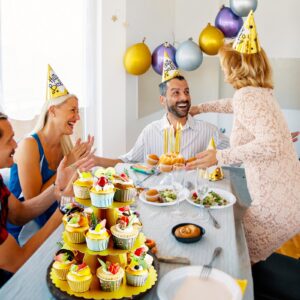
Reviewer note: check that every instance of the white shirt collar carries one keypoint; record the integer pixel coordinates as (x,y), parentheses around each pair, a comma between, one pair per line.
(164,123)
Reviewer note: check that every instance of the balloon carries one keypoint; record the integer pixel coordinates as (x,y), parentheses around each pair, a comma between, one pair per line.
(188,56)
(137,59)
(158,56)
(211,39)
(229,23)
(243,7)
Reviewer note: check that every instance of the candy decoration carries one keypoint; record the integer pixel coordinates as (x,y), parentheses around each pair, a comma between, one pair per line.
(188,56)
(243,7)
(211,39)
(229,23)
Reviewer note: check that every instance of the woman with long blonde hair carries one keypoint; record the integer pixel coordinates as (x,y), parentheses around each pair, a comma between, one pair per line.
(39,154)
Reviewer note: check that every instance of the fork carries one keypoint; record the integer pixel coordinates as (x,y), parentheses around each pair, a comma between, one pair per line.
(206,269)
(214,220)
(156,173)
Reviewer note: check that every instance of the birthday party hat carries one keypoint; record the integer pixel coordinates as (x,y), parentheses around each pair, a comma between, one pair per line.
(55,87)
(169,69)
(214,173)
(247,41)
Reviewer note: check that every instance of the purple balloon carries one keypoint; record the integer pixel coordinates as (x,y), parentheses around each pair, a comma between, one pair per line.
(158,56)
(228,22)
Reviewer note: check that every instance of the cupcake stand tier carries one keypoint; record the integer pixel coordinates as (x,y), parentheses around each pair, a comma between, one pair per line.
(60,289)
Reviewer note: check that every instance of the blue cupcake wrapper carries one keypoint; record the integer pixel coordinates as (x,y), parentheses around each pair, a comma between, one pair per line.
(97,245)
(136,280)
(124,243)
(102,200)
(110,285)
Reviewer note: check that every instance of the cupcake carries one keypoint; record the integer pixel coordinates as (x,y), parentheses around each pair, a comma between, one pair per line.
(72,208)
(126,211)
(125,189)
(62,262)
(98,236)
(124,233)
(137,271)
(152,159)
(102,192)
(83,185)
(79,278)
(110,276)
(108,173)
(76,227)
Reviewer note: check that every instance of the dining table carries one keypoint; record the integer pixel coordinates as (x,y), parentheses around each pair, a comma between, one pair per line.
(30,280)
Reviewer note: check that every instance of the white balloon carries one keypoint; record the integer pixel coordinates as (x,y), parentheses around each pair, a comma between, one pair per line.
(188,56)
(243,7)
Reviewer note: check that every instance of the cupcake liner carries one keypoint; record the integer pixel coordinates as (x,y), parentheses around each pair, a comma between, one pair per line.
(110,285)
(76,237)
(125,195)
(136,280)
(102,200)
(61,273)
(124,243)
(82,192)
(97,245)
(80,286)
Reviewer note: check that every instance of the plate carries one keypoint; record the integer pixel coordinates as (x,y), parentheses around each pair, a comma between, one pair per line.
(225,194)
(182,195)
(169,285)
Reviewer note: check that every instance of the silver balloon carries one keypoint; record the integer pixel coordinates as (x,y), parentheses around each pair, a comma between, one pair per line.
(188,56)
(243,7)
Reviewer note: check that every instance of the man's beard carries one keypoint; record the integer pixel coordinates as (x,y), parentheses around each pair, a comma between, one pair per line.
(179,113)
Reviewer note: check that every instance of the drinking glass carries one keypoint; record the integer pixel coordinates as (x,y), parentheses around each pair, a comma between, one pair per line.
(201,188)
(178,176)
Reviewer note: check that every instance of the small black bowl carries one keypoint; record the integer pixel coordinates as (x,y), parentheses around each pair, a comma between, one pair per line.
(188,240)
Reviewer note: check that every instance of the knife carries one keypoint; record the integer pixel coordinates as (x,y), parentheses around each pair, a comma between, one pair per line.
(174,260)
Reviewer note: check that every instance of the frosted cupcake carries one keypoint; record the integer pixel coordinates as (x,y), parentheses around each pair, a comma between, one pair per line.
(110,276)
(125,189)
(123,233)
(102,192)
(62,262)
(126,211)
(137,271)
(98,236)
(76,227)
(83,185)
(79,278)
(69,211)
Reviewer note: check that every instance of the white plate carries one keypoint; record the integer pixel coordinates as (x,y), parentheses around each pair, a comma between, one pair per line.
(227,195)
(182,195)
(169,284)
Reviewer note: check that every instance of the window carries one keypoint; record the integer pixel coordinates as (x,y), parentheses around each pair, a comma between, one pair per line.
(33,34)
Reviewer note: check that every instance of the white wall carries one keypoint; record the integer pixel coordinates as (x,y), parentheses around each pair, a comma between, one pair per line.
(160,21)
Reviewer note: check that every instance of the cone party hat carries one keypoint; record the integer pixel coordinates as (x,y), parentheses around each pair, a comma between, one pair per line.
(55,87)
(169,69)
(247,41)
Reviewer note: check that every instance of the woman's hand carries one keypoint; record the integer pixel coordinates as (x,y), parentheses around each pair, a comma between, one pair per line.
(204,160)
(295,136)
(80,150)
(66,174)
(194,110)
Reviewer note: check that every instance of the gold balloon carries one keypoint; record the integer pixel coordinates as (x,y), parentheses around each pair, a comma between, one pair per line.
(137,59)
(211,39)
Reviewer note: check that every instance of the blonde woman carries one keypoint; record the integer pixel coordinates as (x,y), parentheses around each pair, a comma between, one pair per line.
(260,139)
(38,155)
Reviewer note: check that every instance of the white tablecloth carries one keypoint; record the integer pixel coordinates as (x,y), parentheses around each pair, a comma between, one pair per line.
(30,281)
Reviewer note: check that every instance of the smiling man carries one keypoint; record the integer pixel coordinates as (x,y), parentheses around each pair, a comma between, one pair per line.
(175,98)
(12,256)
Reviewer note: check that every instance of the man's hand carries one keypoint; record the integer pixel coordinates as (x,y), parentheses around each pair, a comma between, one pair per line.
(204,160)
(66,174)
(295,135)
